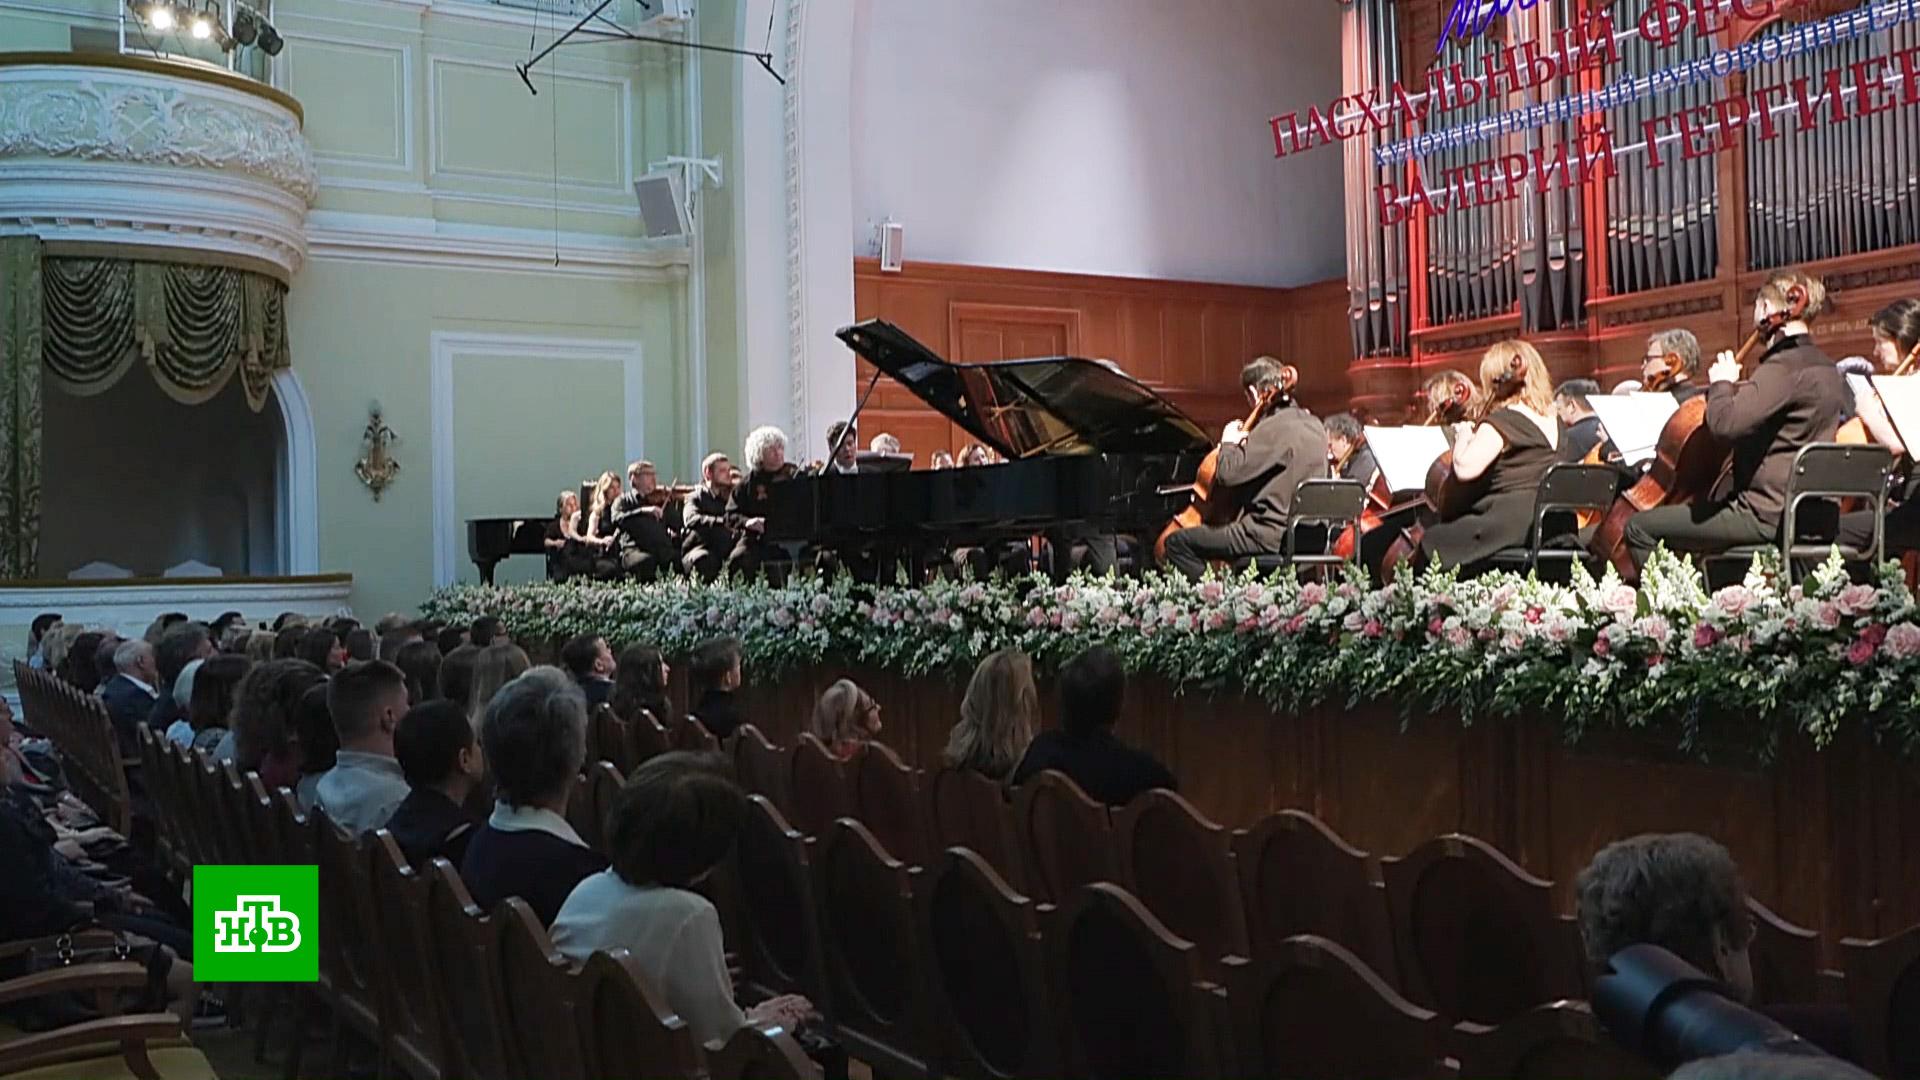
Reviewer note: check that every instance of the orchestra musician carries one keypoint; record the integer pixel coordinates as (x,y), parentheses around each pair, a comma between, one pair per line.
(1269,461)
(747,508)
(941,459)
(843,442)
(600,539)
(1580,429)
(1347,451)
(1896,348)
(1793,397)
(1505,454)
(709,537)
(567,548)
(649,519)
(1672,363)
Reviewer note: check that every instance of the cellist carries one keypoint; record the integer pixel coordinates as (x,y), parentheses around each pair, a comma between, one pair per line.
(1896,348)
(1347,451)
(1671,363)
(1270,460)
(1793,397)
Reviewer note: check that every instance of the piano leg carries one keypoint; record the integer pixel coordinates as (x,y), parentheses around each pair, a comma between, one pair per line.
(486,569)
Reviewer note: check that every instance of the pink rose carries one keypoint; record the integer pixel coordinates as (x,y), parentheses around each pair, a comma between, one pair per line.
(1705,635)
(1733,601)
(1535,612)
(1829,615)
(1216,619)
(1855,599)
(1373,629)
(1903,640)
(1212,591)
(1036,617)
(1601,647)
(1620,600)
(1312,593)
(1295,624)
(1860,652)
(1070,621)
(1874,634)
(1513,642)
(1346,591)
(1435,625)
(1458,637)
(1247,625)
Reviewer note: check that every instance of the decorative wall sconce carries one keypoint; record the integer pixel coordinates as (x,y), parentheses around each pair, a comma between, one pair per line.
(376,468)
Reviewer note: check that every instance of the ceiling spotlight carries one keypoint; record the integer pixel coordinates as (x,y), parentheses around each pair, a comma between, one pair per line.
(270,42)
(202,27)
(246,26)
(160,16)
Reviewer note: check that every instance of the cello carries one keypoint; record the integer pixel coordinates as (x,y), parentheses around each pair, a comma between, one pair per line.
(1445,408)
(1689,461)
(1444,496)
(1211,503)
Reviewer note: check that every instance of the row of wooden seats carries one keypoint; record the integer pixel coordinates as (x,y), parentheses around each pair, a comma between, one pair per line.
(1453,925)
(413,967)
(80,729)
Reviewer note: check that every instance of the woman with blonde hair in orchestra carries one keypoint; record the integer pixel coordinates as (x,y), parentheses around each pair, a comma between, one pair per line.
(1501,457)
(997,716)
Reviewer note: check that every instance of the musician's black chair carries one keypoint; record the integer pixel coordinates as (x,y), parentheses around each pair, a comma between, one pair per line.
(1322,509)
(1553,544)
(1822,474)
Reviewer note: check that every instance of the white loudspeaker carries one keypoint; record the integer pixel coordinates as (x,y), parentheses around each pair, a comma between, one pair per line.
(665,11)
(663,205)
(893,246)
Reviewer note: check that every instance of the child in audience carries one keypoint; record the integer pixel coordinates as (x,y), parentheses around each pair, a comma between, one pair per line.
(716,675)
(997,716)
(442,762)
(671,825)
(845,719)
(640,683)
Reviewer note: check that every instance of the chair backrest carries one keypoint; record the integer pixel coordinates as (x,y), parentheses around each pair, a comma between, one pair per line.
(1297,876)
(760,766)
(1785,957)
(1307,1007)
(1327,502)
(867,928)
(649,736)
(1180,865)
(347,950)
(580,811)
(965,809)
(542,995)
(1883,995)
(1475,936)
(1836,470)
(465,952)
(293,840)
(1558,1041)
(608,739)
(1066,838)
(772,863)
(1568,487)
(688,733)
(628,1028)
(80,728)
(985,971)
(753,1053)
(410,1008)
(887,801)
(821,789)
(1131,1000)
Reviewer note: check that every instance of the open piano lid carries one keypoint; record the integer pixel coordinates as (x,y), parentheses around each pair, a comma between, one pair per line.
(1028,408)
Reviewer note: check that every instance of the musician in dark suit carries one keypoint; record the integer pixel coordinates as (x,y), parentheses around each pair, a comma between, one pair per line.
(767,465)
(1794,397)
(1347,449)
(843,447)
(1580,429)
(1270,460)
(130,694)
(1672,363)
(648,521)
(709,535)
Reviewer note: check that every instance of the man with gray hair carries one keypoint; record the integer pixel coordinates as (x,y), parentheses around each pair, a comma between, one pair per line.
(534,738)
(752,498)
(130,694)
(1671,363)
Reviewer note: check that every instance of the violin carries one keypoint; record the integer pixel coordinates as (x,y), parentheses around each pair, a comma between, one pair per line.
(1444,496)
(1855,430)
(1213,504)
(662,494)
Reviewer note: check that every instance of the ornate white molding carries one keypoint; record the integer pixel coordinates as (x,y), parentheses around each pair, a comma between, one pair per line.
(134,155)
(128,608)
(412,241)
(796,227)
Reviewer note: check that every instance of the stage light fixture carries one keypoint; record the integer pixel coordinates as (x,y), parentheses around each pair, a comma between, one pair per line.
(270,42)
(201,27)
(246,26)
(161,17)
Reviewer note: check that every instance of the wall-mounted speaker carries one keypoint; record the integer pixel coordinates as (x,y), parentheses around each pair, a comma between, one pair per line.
(893,246)
(663,205)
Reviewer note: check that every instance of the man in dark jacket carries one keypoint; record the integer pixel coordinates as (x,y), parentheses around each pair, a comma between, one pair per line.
(130,694)
(709,537)
(1268,462)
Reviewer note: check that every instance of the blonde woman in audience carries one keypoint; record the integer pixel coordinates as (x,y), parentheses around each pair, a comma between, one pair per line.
(56,644)
(496,666)
(845,718)
(260,646)
(997,716)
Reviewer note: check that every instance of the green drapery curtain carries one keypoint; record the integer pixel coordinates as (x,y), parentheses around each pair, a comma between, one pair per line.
(195,326)
(21,335)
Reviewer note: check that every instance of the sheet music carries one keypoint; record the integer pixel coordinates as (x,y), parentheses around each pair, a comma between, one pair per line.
(1861,384)
(1405,453)
(1901,396)
(1634,421)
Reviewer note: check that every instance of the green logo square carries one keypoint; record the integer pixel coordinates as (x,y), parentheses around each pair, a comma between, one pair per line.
(256,924)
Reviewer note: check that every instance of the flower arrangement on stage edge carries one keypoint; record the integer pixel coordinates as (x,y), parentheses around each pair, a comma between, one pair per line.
(1756,659)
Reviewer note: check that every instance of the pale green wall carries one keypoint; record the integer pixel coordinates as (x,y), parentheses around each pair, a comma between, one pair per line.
(720,24)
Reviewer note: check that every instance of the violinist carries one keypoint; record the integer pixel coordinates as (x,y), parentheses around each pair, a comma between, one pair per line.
(1347,451)
(649,520)
(747,508)
(1580,429)
(1793,397)
(709,538)
(598,537)
(1896,349)
(1285,446)
(1672,363)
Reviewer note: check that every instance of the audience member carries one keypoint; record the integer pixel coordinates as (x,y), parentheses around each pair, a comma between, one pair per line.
(130,694)
(1680,891)
(715,665)
(321,646)
(1092,687)
(388,623)
(497,665)
(1761,1065)
(179,645)
(316,743)
(103,666)
(419,661)
(588,659)
(485,629)
(359,644)
(440,757)
(223,629)
(391,644)
(287,643)
(57,643)
(216,685)
(158,628)
(180,731)
(37,633)
(262,645)
(640,683)
(671,825)
(453,637)
(456,677)
(845,719)
(534,737)
(997,716)
(360,792)
(264,738)
(81,668)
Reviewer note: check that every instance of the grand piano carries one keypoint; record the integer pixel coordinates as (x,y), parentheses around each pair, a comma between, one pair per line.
(1085,445)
